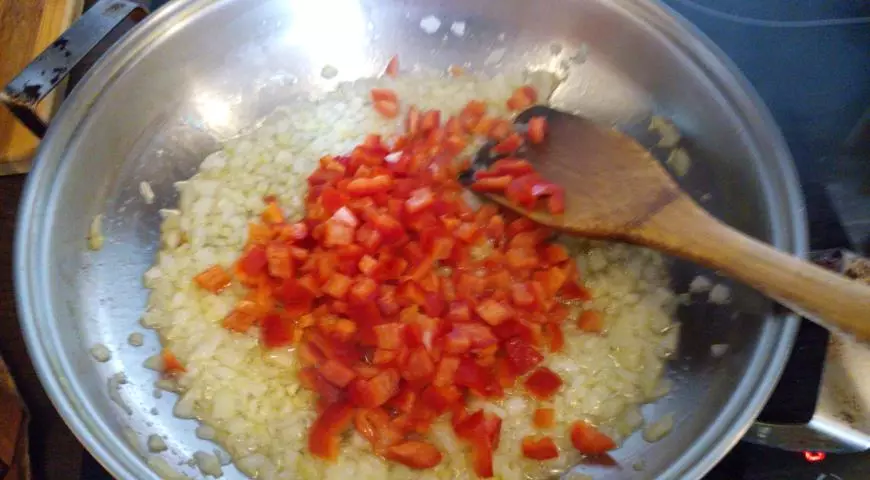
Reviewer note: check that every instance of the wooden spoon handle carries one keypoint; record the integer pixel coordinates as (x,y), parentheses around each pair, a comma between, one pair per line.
(831,300)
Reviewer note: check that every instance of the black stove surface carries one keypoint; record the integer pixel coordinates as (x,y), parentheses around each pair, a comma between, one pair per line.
(810,62)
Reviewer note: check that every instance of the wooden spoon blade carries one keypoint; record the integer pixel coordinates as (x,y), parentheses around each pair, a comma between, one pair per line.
(612,184)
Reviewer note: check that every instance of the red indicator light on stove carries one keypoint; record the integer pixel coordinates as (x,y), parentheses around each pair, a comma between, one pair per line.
(814,457)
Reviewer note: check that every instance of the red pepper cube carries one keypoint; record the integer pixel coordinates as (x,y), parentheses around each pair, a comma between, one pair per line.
(522,356)
(390,336)
(363,290)
(493,312)
(337,286)
(537,130)
(415,454)
(589,441)
(325,432)
(543,383)
(254,261)
(446,371)
(213,279)
(419,367)
(337,373)
(539,448)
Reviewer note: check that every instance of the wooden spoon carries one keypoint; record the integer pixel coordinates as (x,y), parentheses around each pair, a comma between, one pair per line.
(616,190)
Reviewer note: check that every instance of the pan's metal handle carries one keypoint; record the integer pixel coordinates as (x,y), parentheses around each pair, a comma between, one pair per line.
(53,65)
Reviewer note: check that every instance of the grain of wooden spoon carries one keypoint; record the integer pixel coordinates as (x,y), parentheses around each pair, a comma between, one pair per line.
(616,190)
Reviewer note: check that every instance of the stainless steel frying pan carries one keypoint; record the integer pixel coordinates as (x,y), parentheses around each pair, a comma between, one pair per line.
(197,71)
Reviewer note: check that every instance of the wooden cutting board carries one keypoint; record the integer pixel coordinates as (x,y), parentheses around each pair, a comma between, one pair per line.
(26,28)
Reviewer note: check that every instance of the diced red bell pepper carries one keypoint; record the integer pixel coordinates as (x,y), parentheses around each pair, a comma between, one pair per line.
(295,232)
(295,298)
(470,374)
(384,357)
(514,167)
(367,265)
(522,356)
(554,254)
(254,261)
(337,286)
(440,398)
(544,417)
(360,187)
(346,352)
(537,129)
(589,441)
(458,311)
(366,371)
(171,364)
(383,94)
(509,144)
(591,321)
(556,202)
(272,214)
(471,115)
(387,302)
(483,431)
(323,177)
(431,120)
(419,200)
(492,184)
(325,432)
(520,225)
(409,293)
(374,425)
(259,234)
(520,190)
(522,98)
(413,120)
(276,331)
(516,328)
(214,279)
(345,216)
(539,448)
(363,290)
(522,295)
(572,290)
(434,305)
(557,337)
(446,371)
(479,336)
(390,335)
(392,69)
(375,391)
(242,317)
(554,279)
(419,368)
(493,312)
(478,378)
(333,200)
(415,454)
(543,383)
(456,342)
(311,379)
(337,373)
(280,264)
(481,457)
(478,424)
(389,227)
